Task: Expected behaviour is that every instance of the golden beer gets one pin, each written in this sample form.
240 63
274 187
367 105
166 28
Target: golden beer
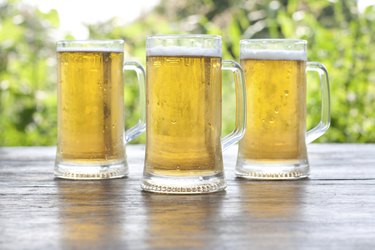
183 115
276 110
91 109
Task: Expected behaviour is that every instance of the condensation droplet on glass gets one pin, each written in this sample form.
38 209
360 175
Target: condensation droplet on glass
272 119
276 110
289 73
173 121
286 92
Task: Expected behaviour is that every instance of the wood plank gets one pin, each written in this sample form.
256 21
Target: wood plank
334 209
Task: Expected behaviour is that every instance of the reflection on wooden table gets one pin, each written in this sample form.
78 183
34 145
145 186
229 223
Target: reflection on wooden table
87 214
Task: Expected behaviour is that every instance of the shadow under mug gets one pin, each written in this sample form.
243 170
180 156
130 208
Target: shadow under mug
274 145
183 112
91 141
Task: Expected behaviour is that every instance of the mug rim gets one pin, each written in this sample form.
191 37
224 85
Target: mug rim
90 41
274 40
115 45
180 36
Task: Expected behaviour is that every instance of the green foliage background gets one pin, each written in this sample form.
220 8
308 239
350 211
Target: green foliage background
338 36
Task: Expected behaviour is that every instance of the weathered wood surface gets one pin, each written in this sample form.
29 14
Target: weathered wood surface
333 209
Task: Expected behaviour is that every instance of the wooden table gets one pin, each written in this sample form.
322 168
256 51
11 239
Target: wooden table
333 209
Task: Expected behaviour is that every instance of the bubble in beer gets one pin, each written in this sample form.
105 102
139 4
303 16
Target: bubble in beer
173 121
286 92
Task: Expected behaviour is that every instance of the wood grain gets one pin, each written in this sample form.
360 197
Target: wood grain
333 209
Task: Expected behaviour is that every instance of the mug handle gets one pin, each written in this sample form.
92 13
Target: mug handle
325 118
138 128
239 80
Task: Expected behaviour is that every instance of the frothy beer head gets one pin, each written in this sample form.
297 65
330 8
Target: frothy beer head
183 51
263 54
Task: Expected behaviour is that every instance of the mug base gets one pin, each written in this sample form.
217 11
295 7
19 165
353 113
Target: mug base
90 171
282 170
183 185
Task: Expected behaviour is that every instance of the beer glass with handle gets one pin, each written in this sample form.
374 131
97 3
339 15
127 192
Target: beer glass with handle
183 114
274 145
91 141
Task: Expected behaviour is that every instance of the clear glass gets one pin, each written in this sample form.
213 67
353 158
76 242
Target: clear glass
183 113
274 145
91 138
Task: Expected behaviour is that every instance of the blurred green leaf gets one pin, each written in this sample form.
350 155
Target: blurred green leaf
338 36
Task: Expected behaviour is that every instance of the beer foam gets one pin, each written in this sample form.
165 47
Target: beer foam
183 51
87 49
262 54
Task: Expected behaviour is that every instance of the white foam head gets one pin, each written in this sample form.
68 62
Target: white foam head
262 54
183 51
87 49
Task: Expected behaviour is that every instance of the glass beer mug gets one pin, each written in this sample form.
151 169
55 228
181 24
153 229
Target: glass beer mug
183 113
274 145
91 141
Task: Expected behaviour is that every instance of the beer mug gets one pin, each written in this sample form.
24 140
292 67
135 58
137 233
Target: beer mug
91 141
274 145
183 114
